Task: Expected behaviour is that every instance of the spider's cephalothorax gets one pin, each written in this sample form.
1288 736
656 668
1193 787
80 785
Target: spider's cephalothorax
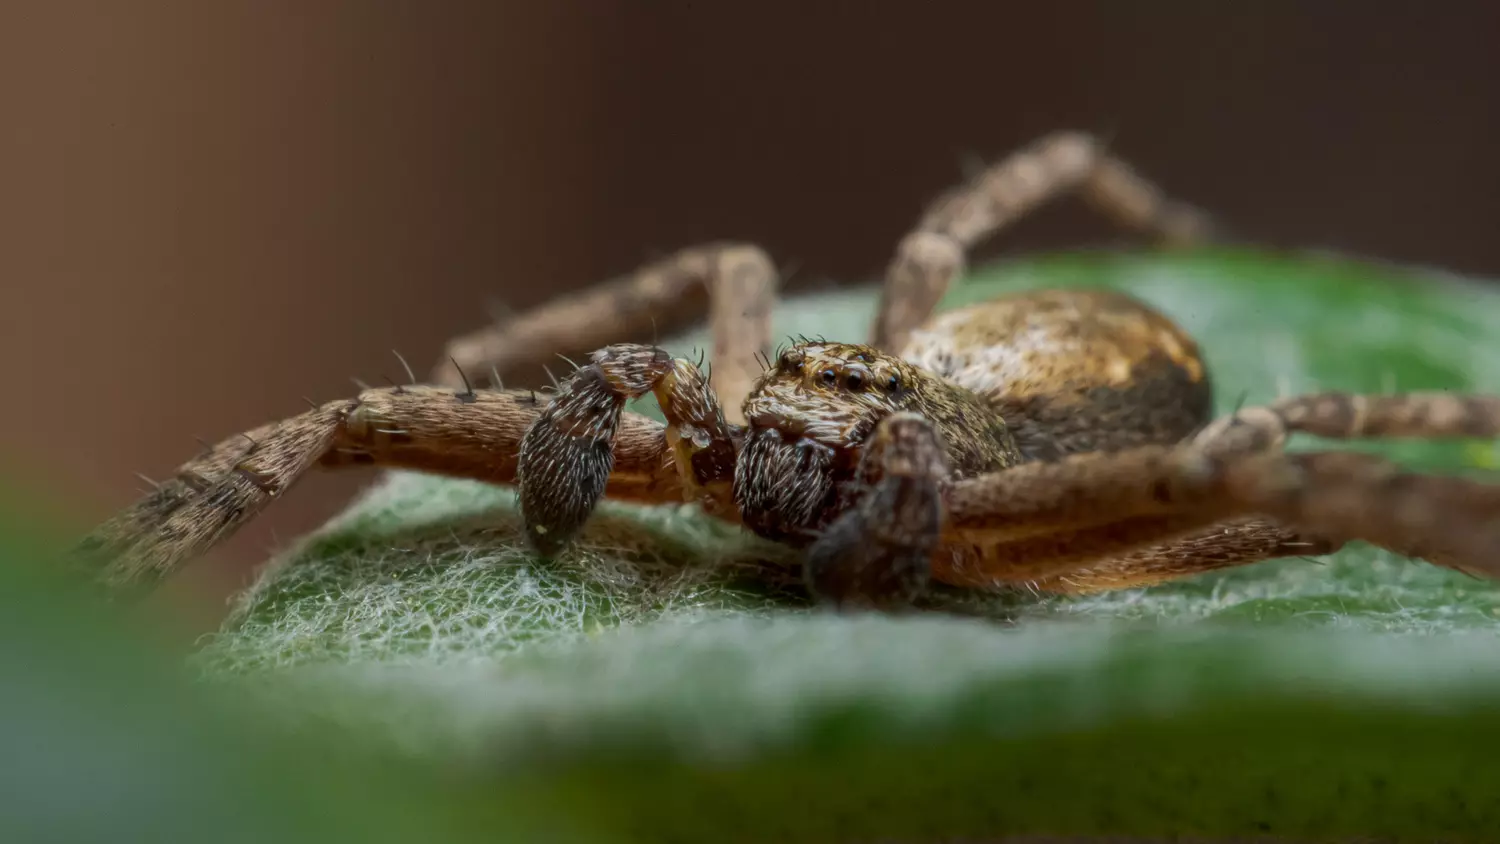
810 415
1055 439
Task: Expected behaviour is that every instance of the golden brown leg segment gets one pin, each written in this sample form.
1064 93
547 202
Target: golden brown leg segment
1336 415
1324 499
1043 521
1132 552
471 434
1450 521
1034 523
934 253
735 283
1080 491
1224 545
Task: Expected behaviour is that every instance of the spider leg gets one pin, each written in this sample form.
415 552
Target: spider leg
1042 521
933 254
1033 523
1343 506
1322 498
1337 415
1224 545
735 283
567 455
470 434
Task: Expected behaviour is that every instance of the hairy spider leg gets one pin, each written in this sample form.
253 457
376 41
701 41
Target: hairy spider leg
934 253
735 284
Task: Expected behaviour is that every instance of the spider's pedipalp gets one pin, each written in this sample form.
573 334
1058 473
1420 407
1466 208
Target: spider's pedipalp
877 552
567 454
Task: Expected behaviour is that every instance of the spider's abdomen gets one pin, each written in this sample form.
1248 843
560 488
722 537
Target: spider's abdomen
1072 370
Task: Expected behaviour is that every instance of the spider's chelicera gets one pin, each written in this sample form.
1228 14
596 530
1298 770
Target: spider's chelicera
1061 439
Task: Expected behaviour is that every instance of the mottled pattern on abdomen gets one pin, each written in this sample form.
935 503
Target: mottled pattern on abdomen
1072 370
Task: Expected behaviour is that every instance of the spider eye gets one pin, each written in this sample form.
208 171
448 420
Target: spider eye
829 377
854 380
892 382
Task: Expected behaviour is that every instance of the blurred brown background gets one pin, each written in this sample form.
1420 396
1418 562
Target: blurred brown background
209 210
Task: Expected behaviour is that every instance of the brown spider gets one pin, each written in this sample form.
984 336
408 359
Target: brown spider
1058 438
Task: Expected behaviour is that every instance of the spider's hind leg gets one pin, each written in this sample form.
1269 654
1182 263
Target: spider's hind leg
934 253
1154 512
1450 521
1337 415
1221 546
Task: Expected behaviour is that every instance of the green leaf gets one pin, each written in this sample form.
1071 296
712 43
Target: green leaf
105 738
662 678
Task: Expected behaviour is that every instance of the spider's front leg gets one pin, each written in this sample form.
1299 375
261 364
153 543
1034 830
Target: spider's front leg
877 552
459 433
568 453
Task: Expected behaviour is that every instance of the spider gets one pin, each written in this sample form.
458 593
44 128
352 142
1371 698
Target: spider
1057 438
